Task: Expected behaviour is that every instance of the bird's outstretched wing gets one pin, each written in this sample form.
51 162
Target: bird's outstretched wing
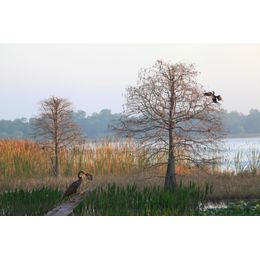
208 94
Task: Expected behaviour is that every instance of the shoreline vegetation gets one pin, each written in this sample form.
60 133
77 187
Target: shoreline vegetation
114 199
237 136
25 168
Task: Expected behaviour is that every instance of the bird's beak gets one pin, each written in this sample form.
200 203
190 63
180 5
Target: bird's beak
89 176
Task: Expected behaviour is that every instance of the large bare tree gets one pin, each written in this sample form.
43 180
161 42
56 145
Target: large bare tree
55 128
168 112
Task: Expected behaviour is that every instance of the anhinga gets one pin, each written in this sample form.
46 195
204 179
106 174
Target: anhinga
215 98
76 184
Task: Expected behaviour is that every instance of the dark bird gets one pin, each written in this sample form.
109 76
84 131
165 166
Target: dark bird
215 98
76 184
209 94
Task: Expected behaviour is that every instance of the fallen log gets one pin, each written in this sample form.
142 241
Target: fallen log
66 207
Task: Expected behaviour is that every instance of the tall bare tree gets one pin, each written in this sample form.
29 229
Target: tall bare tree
55 127
167 112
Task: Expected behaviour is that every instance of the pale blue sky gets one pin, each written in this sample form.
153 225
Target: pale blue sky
94 76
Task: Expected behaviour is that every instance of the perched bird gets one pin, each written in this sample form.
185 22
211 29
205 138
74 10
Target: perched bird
76 184
215 98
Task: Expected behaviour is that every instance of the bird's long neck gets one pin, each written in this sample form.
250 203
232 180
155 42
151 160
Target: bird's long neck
79 175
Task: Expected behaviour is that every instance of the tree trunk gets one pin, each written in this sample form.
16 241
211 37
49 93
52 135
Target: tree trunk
56 167
170 178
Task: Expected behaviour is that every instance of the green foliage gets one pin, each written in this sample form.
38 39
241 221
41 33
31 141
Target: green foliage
235 209
151 201
29 203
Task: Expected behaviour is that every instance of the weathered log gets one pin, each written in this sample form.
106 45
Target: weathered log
66 207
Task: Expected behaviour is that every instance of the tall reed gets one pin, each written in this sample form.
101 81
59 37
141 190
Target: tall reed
242 162
26 158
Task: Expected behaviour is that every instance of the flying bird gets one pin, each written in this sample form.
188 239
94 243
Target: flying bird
73 188
215 98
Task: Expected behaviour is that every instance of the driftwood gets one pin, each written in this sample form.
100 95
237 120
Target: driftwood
66 207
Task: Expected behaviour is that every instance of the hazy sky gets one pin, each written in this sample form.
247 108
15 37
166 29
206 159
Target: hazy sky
94 76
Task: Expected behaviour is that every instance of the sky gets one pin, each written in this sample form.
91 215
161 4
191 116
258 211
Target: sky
94 76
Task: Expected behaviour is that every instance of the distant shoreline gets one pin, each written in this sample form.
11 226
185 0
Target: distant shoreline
231 136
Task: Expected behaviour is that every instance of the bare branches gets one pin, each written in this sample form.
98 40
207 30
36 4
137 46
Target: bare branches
55 128
168 110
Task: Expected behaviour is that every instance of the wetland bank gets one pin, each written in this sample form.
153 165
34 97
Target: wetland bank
122 181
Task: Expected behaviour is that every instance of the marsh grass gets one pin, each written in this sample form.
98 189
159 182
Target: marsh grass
24 158
126 200
24 165
29 203
110 200
242 162
114 200
225 186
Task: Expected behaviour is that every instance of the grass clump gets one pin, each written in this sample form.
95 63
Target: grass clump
114 200
36 202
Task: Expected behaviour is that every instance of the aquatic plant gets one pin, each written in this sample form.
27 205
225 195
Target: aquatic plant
114 200
29 203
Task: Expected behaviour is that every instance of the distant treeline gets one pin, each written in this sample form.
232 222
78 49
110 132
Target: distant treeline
97 125
238 124
94 126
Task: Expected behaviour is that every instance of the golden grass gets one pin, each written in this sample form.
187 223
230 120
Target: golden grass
23 164
22 158
25 158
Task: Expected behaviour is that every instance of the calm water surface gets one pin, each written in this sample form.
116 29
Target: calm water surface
243 150
242 144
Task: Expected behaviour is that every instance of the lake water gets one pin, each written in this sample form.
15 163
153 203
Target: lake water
242 144
240 152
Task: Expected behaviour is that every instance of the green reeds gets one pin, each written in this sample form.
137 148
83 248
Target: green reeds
243 162
29 203
114 200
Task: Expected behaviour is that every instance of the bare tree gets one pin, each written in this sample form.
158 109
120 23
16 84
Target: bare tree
55 128
168 112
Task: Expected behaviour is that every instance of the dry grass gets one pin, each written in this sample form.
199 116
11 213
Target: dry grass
227 186
22 158
224 186
23 164
25 158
